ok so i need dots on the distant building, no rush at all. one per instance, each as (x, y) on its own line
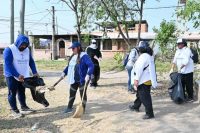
(63, 42)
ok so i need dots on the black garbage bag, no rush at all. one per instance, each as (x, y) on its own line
(32, 83)
(175, 88)
(39, 97)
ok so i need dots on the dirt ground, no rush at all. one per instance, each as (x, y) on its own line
(107, 111)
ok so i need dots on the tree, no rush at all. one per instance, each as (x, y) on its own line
(191, 12)
(165, 35)
(81, 9)
(118, 12)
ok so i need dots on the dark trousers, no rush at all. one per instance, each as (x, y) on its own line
(143, 96)
(73, 89)
(15, 88)
(187, 83)
(96, 75)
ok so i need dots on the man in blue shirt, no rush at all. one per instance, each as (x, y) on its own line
(17, 61)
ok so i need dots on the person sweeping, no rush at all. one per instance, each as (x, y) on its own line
(78, 72)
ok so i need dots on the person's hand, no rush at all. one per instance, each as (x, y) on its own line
(96, 57)
(62, 75)
(171, 71)
(87, 78)
(136, 84)
(21, 78)
(36, 75)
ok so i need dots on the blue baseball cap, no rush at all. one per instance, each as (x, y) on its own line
(74, 45)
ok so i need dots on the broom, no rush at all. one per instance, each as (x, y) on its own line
(80, 110)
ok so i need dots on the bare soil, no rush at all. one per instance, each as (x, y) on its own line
(107, 110)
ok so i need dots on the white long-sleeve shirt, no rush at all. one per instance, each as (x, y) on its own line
(145, 61)
(184, 57)
(132, 57)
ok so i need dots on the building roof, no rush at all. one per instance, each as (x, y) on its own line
(57, 36)
(133, 35)
(191, 36)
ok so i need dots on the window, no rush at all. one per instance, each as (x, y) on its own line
(107, 45)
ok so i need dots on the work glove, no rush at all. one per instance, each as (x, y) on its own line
(62, 75)
(87, 78)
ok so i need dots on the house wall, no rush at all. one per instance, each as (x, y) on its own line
(117, 46)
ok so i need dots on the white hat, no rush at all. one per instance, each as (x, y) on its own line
(93, 41)
(180, 40)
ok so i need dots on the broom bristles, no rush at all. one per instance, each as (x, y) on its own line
(79, 111)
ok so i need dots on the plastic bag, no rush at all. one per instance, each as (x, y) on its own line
(175, 89)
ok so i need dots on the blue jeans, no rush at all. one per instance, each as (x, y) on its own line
(129, 69)
(15, 88)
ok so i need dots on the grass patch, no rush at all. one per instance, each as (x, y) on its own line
(110, 65)
(106, 65)
(162, 66)
(57, 65)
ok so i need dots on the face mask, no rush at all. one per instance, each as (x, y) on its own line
(23, 47)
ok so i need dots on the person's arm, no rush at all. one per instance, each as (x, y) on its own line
(139, 68)
(89, 64)
(65, 70)
(173, 63)
(32, 65)
(133, 56)
(8, 60)
(186, 58)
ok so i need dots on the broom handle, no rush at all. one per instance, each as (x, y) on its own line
(84, 89)
(57, 82)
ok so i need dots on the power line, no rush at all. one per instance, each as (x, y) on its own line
(8, 20)
(164, 7)
(41, 19)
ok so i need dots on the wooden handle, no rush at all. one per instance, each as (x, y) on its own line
(57, 82)
(85, 87)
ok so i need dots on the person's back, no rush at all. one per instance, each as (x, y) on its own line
(95, 56)
(132, 57)
(92, 53)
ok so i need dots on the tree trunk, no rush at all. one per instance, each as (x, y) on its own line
(140, 21)
(123, 36)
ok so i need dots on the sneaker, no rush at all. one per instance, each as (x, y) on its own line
(132, 108)
(189, 100)
(16, 114)
(68, 110)
(131, 91)
(27, 110)
(145, 117)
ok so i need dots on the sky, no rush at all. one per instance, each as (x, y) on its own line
(38, 17)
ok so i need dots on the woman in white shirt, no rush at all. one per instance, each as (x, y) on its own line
(144, 77)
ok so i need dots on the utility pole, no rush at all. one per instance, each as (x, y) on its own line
(56, 25)
(12, 32)
(140, 21)
(22, 13)
(54, 52)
